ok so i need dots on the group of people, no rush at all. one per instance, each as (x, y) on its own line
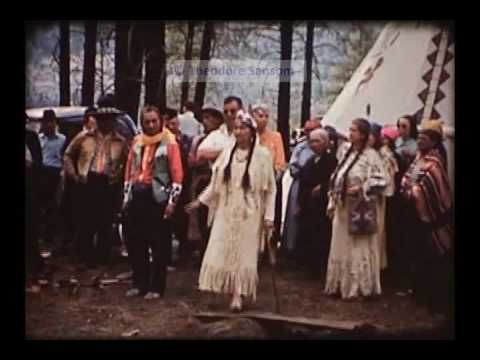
(376, 206)
(355, 205)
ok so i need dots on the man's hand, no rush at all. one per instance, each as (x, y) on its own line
(268, 225)
(316, 190)
(79, 179)
(407, 153)
(125, 202)
(352, 190)
(169, 210)
(209, 155)
(192, 206)
(330, 209)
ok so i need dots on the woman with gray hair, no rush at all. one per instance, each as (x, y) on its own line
(315, 226)
(300, 156)
(269, 138)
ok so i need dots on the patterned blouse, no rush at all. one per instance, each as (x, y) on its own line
(368, 172)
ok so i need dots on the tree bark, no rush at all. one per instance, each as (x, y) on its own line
(186, 69)
(286, 36)
(65, 63)
(201, 85)
(128, 66)
(307, 84)
(90, 47)
(155, 67)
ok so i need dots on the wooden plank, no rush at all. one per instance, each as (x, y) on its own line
(294, 320)
(338, 327)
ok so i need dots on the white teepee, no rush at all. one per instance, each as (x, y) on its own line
(409, 70)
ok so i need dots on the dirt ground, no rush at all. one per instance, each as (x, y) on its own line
(58, 312)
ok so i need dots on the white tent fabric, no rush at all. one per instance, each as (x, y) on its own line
(409, 70)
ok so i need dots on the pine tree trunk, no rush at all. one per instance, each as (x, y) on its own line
(88, 81)
(64, 63)
(128, 66)
(201, 85)
(307, 85)
(155, 69)
(188, 58)
(286, 35)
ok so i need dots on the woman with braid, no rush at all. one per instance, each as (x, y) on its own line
(354, 261)
(243, 190)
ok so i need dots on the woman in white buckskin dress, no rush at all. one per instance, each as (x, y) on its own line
(354, 260)
(242, 190)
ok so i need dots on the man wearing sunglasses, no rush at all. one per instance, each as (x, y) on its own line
(221, 138)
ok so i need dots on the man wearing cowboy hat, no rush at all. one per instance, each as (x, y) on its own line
(212, 119)
(95, 160)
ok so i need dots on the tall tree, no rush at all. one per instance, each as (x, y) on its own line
(286, 36)
(156, 63)
(90, 47)
(208, 34)
(128, 66)
(64, 63)
(188, 58)
(307, 84)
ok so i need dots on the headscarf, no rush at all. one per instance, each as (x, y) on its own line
(390, 132)
(434, 125)
(434, 130)
(246, 119)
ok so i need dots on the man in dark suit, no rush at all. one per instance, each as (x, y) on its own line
(33, 164)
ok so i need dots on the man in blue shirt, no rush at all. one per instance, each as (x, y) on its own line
(53, 146)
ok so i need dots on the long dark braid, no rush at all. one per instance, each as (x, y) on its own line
(345, 176)
(246, 177)
(246, 184)
(340, 165)
(364, 127)
(227, 171)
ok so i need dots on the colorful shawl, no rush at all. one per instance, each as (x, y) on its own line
(427, 182)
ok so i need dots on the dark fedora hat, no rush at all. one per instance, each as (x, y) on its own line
(213, 111)
(91, 110)
(102, 112)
